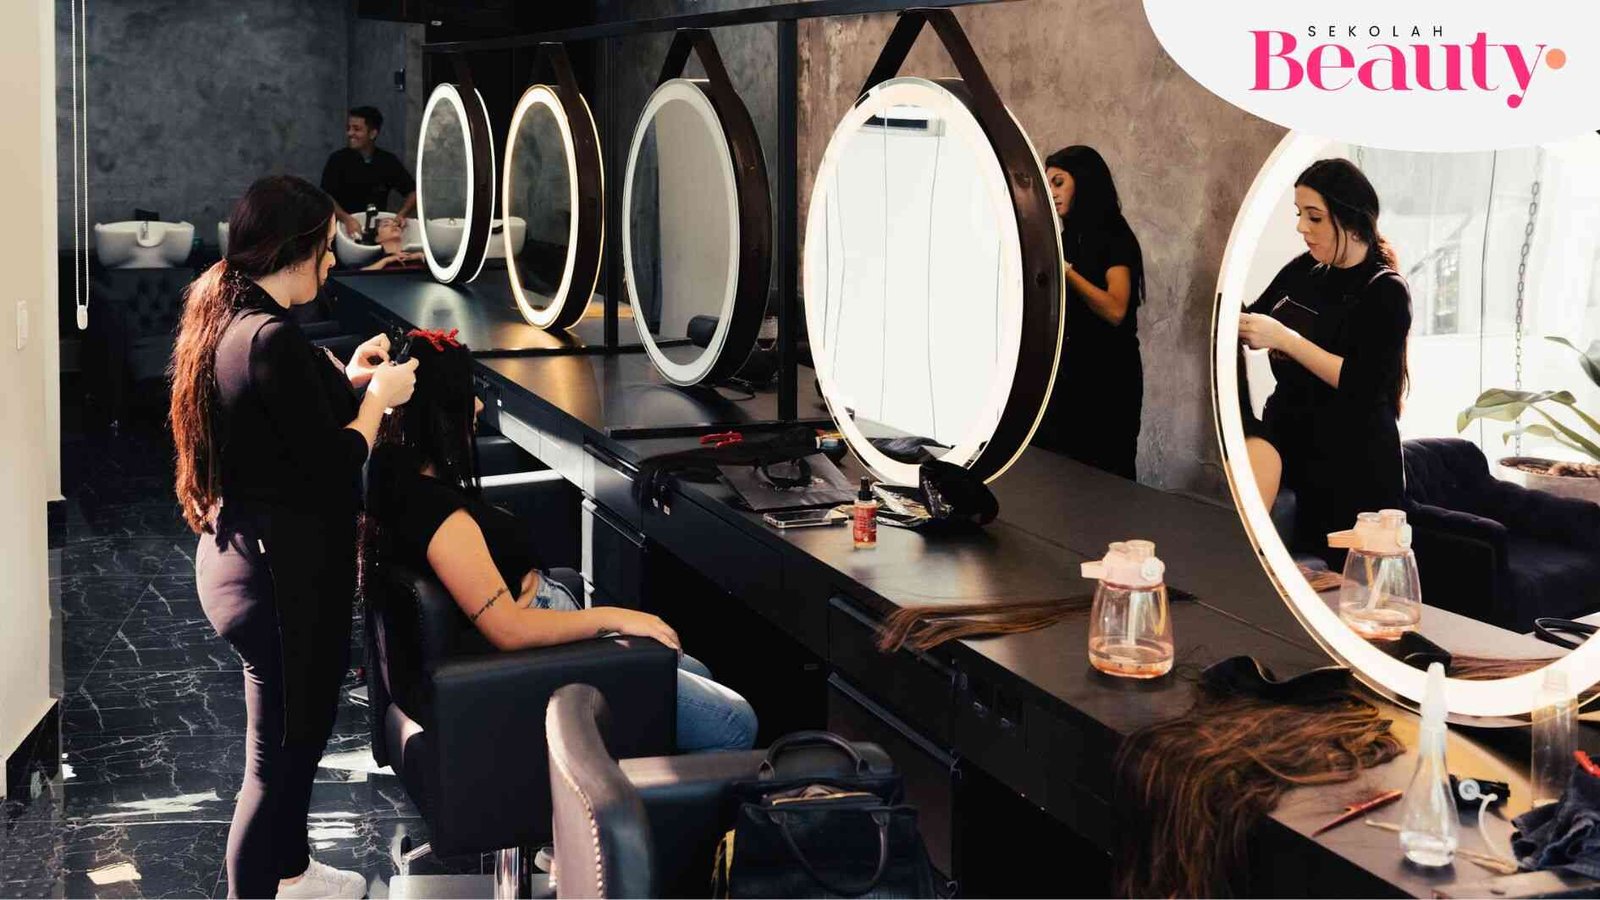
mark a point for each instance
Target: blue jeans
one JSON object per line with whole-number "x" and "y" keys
{"x": 710, "y": 715}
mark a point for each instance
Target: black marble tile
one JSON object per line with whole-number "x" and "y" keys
{"x": 143, "y": 518}
{"x": 166, "y": 644}
{"x": 98, "y": 596}
{"x": 133, "y": 703}
{"x": 143, "y": 860}
{"x": 129, "y": 556}
{"x": 82, "y": 644}
{"x": 170, "y": 596}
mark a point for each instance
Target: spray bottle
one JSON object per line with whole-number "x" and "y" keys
{"x": 1428, "y": 819}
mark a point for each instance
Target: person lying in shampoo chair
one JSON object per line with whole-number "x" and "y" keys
{"x": 423, "y": 506}
{"x": 391, "y": 237}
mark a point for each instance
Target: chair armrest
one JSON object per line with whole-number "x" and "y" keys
{"x": 688, "y": 803}
{"x": 1460, "y": 558}
{"x": 1562, "y": 520}
{"x": 490, "y": 776}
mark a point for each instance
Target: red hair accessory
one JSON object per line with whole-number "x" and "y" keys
{"x": 438, "y": 337}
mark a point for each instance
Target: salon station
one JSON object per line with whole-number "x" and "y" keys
{"x": 1033, "y": 521}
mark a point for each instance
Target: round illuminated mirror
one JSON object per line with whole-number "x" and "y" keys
{"x": 696, "y": 231}
{"x": 552, "y": 185}
{"x": 1407, "y": 386}
{"x": 455, "y": 176}
{"x": 928, "y": 339}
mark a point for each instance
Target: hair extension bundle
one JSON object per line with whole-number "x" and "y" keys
{"x": 1189, "y": 791}
{"x": 926, "y": 627}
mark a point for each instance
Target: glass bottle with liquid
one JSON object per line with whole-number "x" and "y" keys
{"x": 1130, "y": 625}
{"x": 1381, "y": 596}
{"x": 1554, "y": 737}
{"x": 1429, "y": 823}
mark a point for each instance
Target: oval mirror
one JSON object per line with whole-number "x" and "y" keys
{"x": 696, "y": 231}
{"x": 1446, "y": 367}
{"x": 925, "y": 335}
{"x": 552, "y": 184}
{"x": 455, "y": 178}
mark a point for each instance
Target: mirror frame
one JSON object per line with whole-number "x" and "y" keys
{"x": 1483, "y": 703}
{"x": 474, "y": 119}
{"x": 1038, "y": 239}
{"x": 586, "y": 190}
{"x": 744, "y": 300}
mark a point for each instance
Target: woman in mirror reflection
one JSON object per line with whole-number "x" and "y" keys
{"x": 391, "y": 237}
{"x": 1098, "y": 395}
{"x": 1336, "y": 320}
{"x": 425, "y": 510}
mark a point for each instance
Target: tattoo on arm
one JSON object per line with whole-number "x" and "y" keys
{"x": 488, "y": 603}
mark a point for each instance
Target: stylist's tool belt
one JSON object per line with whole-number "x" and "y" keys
{"x": 842, "y": 836}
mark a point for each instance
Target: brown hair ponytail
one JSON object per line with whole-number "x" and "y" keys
{"x": 280, "y": 221}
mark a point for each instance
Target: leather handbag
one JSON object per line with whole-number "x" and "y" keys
{"x": 849, "y": 836}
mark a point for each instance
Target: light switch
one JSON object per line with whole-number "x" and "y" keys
{"x": 22, "y": 324}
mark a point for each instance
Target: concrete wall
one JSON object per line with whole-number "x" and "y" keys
{"x": 1092, "y": 72}
{"x": 28, "y": 158}
{"x": 191, "y": 100}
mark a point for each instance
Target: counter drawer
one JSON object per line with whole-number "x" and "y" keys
{"x": 929, "y": 773}
{"x": 610, "y": 482}
{"x": 613, "y": 562}
{"x": 917, "y": 686}
{"x": 716, "y": 549}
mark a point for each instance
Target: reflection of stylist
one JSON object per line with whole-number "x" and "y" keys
{"x": 1337, "y": 318}
{"x": 271, "y": 435}
{"x": 1099, "y": 389}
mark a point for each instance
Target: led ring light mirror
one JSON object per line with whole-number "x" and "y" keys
{"x": 697, "y": 221}
{"x": 1459, "y": 226}
{"x": 933, "y": 274}
{"x": 554, "y": 182}
{"x": 455, "y": 182}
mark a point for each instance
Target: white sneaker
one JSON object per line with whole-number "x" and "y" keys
{"x": 323, "y": 882}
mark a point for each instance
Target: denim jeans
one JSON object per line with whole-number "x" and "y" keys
{"x": 710, "y": 716}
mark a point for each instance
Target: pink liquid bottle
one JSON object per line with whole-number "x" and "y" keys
{"x": 1130, "y": 625}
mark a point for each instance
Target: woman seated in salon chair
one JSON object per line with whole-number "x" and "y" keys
{"x": 424, "y": 511}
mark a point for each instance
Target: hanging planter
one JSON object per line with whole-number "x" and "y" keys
{"x": 1564, "y": 478}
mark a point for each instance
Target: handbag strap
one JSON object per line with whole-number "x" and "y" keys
{"x": 809, "y": 738}
{"x": 880, "y": 816}
{"x": 1552, "y": 630}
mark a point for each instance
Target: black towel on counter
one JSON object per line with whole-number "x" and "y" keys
{"x": 1564, "y": 835}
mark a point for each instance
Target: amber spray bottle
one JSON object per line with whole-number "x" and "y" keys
{"x": 864, "y": 518}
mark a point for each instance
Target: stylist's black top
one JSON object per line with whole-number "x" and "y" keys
{"x": 1098, "y": 396}
{"x": 1340, "y": 445}
{"x": 354, "y": 180}
{"x": 412, "y": 506}
{"x": 282, "y": 410}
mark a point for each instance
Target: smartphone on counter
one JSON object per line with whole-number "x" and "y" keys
{"x": 803, "y": 518}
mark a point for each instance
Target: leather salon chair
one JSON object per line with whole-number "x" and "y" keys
{"x": 133, "y": 325}
{"x": 1493, "y": 550}
{"x": 649, "y": 827}
{"x": 462, "y": 725}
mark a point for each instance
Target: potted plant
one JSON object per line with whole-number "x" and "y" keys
{"x": 1561, "y": 477}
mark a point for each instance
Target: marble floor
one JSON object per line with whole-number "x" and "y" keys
{"x": 152, "y": 711}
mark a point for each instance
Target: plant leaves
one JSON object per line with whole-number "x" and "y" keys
{"x": 1505, "y": 406}
{"x": 1588, "y": 359}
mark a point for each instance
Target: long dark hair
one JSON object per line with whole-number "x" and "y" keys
{"x": 1096, "y": 211}
{"x": 279, "y": 222}
{"x": 435, "y": 427}
{"x": 1353, "y": 206}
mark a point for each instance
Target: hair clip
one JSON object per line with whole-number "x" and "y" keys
{"x": 438, "y": 337}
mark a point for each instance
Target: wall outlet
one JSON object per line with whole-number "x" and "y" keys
{"x": 22, "y": 324}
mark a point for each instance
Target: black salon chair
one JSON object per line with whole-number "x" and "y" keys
{"x": 1493, "y": 550}
{"x": 133, "y": 324}
{"x": 649, "y": 827}
{"x": 462, "y": 724}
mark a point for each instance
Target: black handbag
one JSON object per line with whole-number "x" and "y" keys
{"x": 838, "y": 836}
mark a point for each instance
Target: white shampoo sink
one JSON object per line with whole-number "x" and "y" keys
{"x": 444, "y": 236}
{"x": 143, "y": 245}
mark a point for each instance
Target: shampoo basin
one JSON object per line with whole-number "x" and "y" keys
{"x": 143, "y": 245}
{"x": 444, "y": 236}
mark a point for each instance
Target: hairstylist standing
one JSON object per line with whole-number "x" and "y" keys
{"x": 1095, "y": 406}
{"x": 271, "y": 434}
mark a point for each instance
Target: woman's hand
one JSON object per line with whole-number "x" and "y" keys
{"x": 1262, "y": 332}
{"x": 372, "y": 353}
{"x": 638, "y": 624}
{"x": 392, "y": 384}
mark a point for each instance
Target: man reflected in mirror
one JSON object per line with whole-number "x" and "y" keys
{"x": 361, "y": 173}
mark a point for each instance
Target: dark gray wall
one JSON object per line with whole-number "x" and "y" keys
{"x": 377, "y": 51}
{"x": 190, "y": 100}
